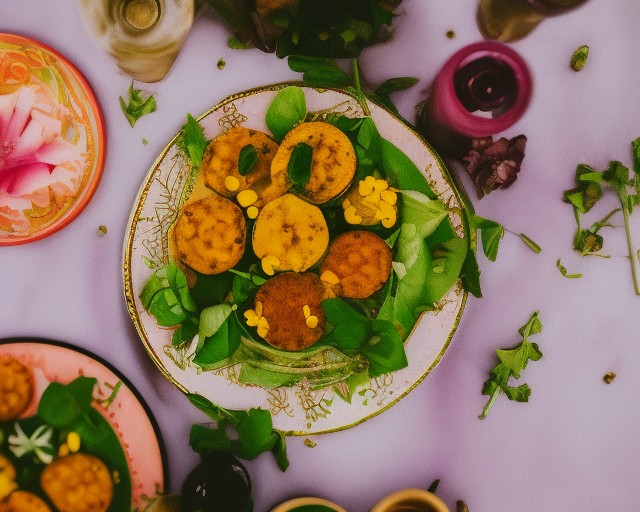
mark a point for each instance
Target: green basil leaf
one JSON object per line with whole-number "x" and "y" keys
{"x": 62, "y": 404}
{"x": 288, "y": 108}
{"x": 247, "y": 159}
{"x": 319, "y": 72}
{"x": 192, "y": 141}
{"x": 137, "y": 105}
{"x": 396, "y": 84}
{"x": 299, "y": 166}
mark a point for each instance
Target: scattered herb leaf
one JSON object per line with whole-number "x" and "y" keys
{"x": 564, "y": 272}
{"x": 192, "y": 141}
{"x": 309, "y": 443}
{"x": 247, "y": 159}
{"x": 491, "y": 233}
{"x": 106, "y": 403}
{"x": 608, "y": 378}
{"x": 102, "y": 230}
{"x": 530, "y": 243}
{"x": 221, "y": 64}
{"x": 579, "y": 58}
{"x": 145, "y": 142}
{"x": 140, "y": 103}
{"x": 299, "y": 166}
{"x": 512, "y": 362}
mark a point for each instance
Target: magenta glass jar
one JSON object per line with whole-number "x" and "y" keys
{"x": 482, "y": 90}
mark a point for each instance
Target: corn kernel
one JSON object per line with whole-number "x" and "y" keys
{"x": 252, "y": 317}
{"x": 351, "y": 216}
{"x": 268, "y": 264}
{"x": 231, "y": 183}
{"x": 389, "y": 221}
{"x": 386, "y": 209}
{"x": 346, "y": 203}
{"x": 247, "y": 197}
{"x": 263, "y": 327}
{"x": 252, "y": 212}
{"x": 380, "y": 185}
{"x": 329, "y": 277}
{"x": 63, "y": 450}
{"x": 259, "y": 308}
{"x": 306, "y": 310}
{"x": 366, "y": 186}
{"x": 388, "y": 196}
{"x": 312, "y": 321}
{"x": 73, "y": 441}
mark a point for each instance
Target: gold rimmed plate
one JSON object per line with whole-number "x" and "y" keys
{"x": 297, "y": 410}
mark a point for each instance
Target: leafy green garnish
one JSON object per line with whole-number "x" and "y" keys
{"x": 320, "y": 72}
{"x": 192, "y": 141}
{"x": 299, "y": 166}
{"x": 491, "y": 232}
{"x": 579, "y": 58}
{"x": 253, "y": 432}
{"x": 140, "y": 103}
{"x": 512, "y": 362}
{"x": 247, "y": 159}
{"x": 288, "y": 108}
{"x": 563, "y": 271}
{"x": 590, "y": 185}
{"x": 62, "y": 404}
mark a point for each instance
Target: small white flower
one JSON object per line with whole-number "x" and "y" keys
{"x": 20, "y": 444}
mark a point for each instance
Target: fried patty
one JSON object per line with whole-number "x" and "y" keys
{"x": 23, "y": 501}
{"x": 16, "y": 388}
{"x": 210, "y": 234}
{"x": 78, "y": 483}
{"x": 283, "y": 300}
{"x": 361, "y": 261}
{"x": 333, "y": 164}
{"x": 291, "y": 232}
{"x": 221, "y": 162}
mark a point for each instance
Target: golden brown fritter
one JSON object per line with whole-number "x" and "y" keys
{"x": 289, "y": 234}
{"x": 291, "y": 325}
{"x": 7, "y": 478}
{"x": 78, "y": 483}
{"x": 220, "y": 165}
{"x": 360, "y": 260}
{"x": 333, "y": 160}
{"x": 210, "y": 234}
{"x": 16, "y": 388}
{"x": 23, "y": 501}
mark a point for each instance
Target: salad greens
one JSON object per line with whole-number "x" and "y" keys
{"x": 192, "y": 141}
{"x": 139, "y": 104}
{"x": 512, "y": 362}
{"x": 589, "y": 190}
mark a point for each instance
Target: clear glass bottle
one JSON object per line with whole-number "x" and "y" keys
{"x": 144, "y": 36}
{"x": 508, "y": 20}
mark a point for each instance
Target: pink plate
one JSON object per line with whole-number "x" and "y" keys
{"x": 131, "y": 419}
{"x": 52, "y": 140}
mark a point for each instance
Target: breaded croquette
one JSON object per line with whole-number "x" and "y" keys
{"x": 210, "y": 234}
{"x": 360, "y": 262}
{"x": 7, "y": 478}
{"x": 16, "y": 388}
{"x": 222, "y": 174}
{"x": 78, "y": 483}
{"x": 289, "y": 234}
{"x": 333, "y": 161}
{"x": 290, "y": 303}
{"x": 23, "y": 501}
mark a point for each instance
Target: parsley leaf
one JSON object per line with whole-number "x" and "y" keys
{"x": 192, "y": 141}
{"x": 512, "y": 362}
{"x": 138, "y": 105}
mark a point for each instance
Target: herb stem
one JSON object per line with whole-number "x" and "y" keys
{"x": 634, "y": 270}
{"x": 362, "y": 99}
{"x": 485, "y": 411}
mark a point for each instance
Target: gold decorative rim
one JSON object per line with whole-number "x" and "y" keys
{"x": 456, "y": 189}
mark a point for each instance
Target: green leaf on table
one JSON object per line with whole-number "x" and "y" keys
{"x": 288, "y": 108}
{"x": 247, "y": 159}
{"x": 587, "y": 191}
{"x": 396, "y": 84}
{"x": 62, "y": 404}
{"x": 139, "y": 103}
{"x": 299, "y": 166}
{"x": 218, "y": 339}
{"x": 192, "y": 141}
{"x": 491, "y": 233}
{"x": 564, "y": 272}
{"x": 319, "y": 71}
{"x": 512, "y": 362}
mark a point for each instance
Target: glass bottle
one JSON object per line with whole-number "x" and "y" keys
{"x": 144, "y": 36}
{"x": 508, "y": 20}
{"x": 482, "y": 90}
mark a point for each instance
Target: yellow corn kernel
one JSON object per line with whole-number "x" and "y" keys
{"x": 366, "y": 186}
{"x": 63, "y": 450}
{"x": 306, "y": 310}
{"x": 351, "y": 215}
{"x": 389, "y": 196}
{"x": 252, "y": 318}
{"x": 268, "y": 264}
{"x": 380, "y": 185}
{"x": 73, "y": 441}
{"x": 346, "y": 203}
{"x": 389, "y": 222}
{"x": 312, "y": 321}
{"x": 259, "y": 308}
{"x": 231, "y": 183}
{"x": 247, "y": 197}
{"x": 329, "y": 277}
{"x": 7, "y": 485}
{"x": 263, "y": 327}
{"x": 386, "y": 209}
{"x": 252, "y": 212}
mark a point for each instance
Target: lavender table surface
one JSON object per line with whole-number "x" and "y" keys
{"x": 572, "y": 447}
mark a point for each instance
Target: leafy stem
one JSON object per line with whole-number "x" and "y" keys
{"x": 362, "y": 97}
{"x": 625, "y": 213}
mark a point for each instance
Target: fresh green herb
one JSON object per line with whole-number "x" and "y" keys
{"x": 145, "y": 142}
{"x": 235, "y": 44}
{"x": 247, "y": 159}
{"x": 588, "y": 241}
{"x": 287, "y": 109}
{"x": 564, "y": 272}
{"x": 512, "y": 362}
{"x": 106, "y": 403}
{"x": 590, "y": 184}
{"x": 192, "y": 141}
{"x": 579, "y": 58}
{"x": 299, "y": 166}
{"x": 530, "y": 243}
{"x": 492, "y": 232}
{"x": 388, "y": 87}
{"x": 608, "y": 378}
{"x": 319, "y": 72}
{"x": 253, "y": 432}
{"x": 140, "y": 104}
